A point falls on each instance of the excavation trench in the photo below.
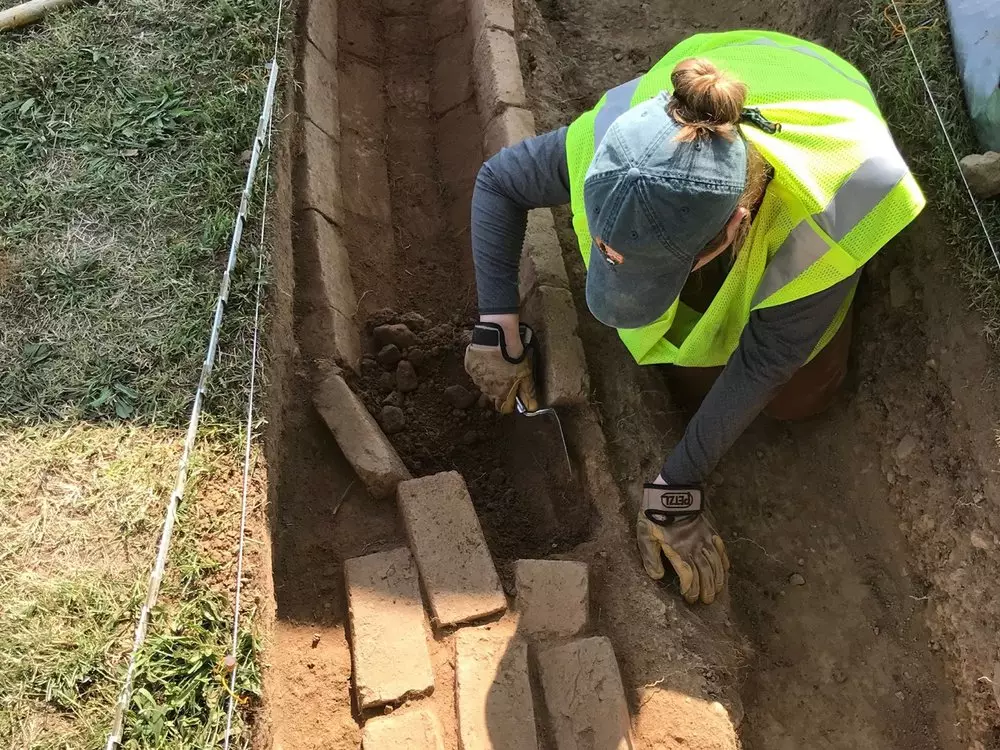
(851, 659)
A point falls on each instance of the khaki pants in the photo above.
(809, 392)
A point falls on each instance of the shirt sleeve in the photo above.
(775, 343)
(531, 174)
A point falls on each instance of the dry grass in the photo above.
(123, 128)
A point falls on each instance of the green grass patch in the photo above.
(885, 59)
(123, 128)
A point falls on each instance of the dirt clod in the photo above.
(392, 419)
(387, 382)
(389, 356)
(459, 397)
(406, 377)
(394, 399)
(797, 579)
(906, 446)
(394, 333)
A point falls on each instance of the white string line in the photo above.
(156, 574)
(231, 701)
(944, 129)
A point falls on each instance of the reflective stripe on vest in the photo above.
(856, 198)
(617, 102)
(811, 53)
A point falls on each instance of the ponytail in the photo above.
(705, 101)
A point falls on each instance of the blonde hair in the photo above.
(707, 101)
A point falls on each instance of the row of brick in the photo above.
(390, 634)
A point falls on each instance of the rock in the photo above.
(982, 172)
(389, 356)
(414, 321)
(459, 397)
(387, 381)
(906, 446)
(900, 293)
(393, 399)
(406, 377)
(417, 356)
(980, 540)
(796, 579)
(392, 419)
(395, 333)
(369, 367)
(618, 56)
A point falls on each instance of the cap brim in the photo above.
(623, 299)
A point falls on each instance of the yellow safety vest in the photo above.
(840, 189)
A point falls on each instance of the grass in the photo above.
(886, 61)
(123, 136)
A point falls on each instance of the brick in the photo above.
(452, 82)
(413, 730)
(388, 633)
(319, 91)
(446, 17)
(362, 108)
(319, 165)
(405, 37)
(493, 691)
(552, 597)
(498, 74)
(359, 30)
(407, 90)
(321, 27)
(365, 176)
(584, 696)
(541, 259)
(403, 7)
(490, 14)
(455, 564)
(333, 297)
(551, 313)
(363, 444)
(511, 126)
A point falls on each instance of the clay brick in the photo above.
(498, 74)
(403, 7)
(319, 167)
(454, 561)
(511, 126)
(490, 14)
(493, 691)
(388, 634)
(321, 27)
(452, 83)
(584, 696)
(552, 597)
(551, 313)
(362, 442)
(336, 301)
(407, 89)
(319, 91)
(365, 176)
(405, 37)
(362, 108)
(446, 17)
(413, 730)
(541, 259)
(359, 30)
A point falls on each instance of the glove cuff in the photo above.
(665, 504)
(491, 334)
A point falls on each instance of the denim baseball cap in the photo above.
(653, 203)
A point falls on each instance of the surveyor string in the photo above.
(166, 533)
(944, 130)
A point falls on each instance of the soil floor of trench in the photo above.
(882, 505)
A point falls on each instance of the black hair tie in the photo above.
(753, 116)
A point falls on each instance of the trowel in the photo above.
(550, 412)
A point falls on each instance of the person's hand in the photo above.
(502, 377)
(672, 521)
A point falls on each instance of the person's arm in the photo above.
(531, 174)
(775, 343)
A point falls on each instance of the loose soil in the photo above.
(883, 643)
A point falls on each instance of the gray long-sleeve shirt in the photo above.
(774, 344)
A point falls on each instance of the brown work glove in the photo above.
(673, 521)
(501, 377)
